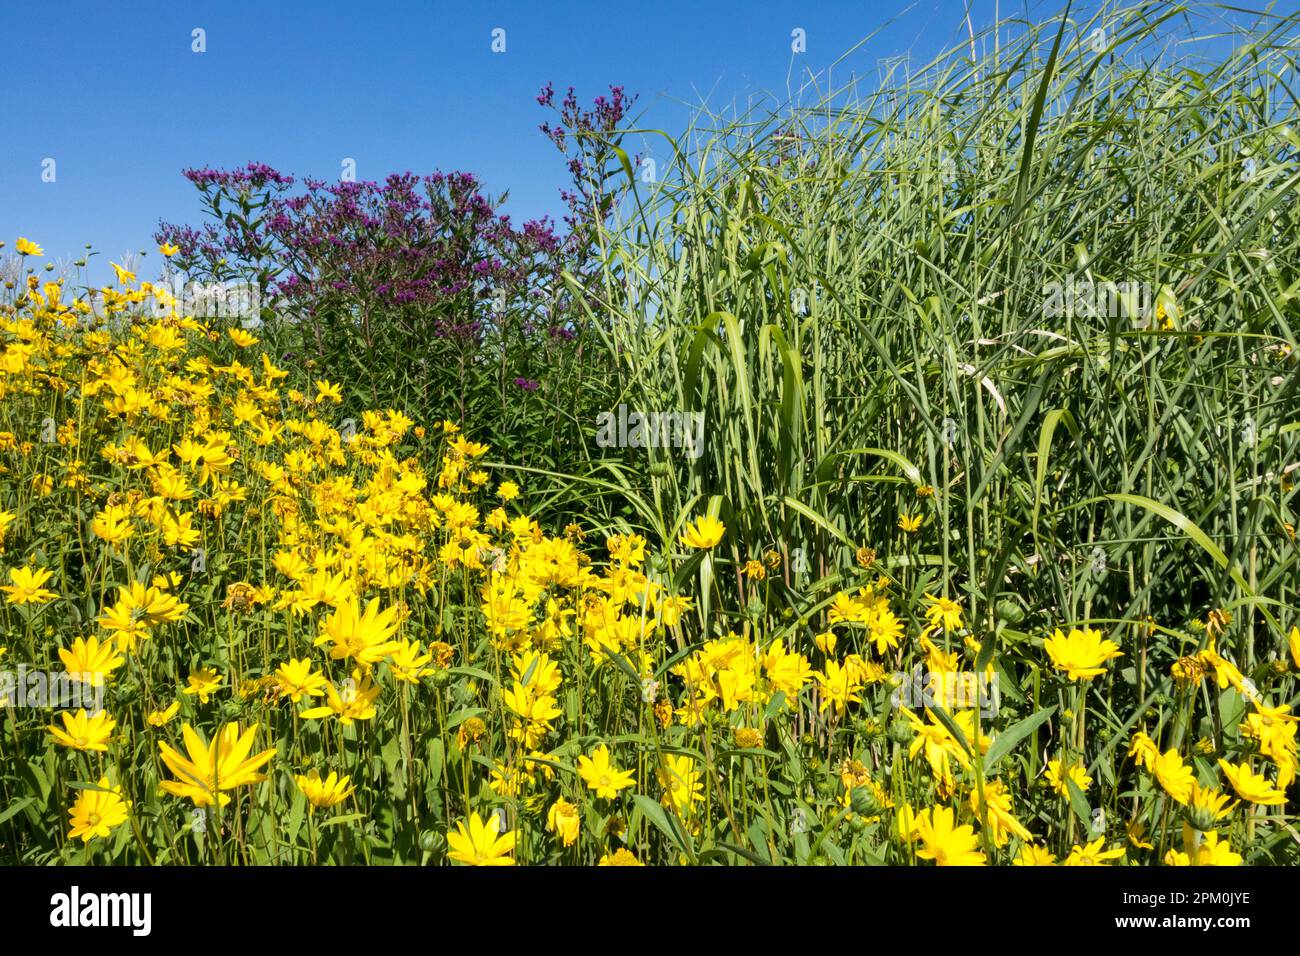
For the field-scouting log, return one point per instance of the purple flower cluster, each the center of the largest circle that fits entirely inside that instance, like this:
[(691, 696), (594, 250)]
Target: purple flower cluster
[(585, 136), (432, 242)]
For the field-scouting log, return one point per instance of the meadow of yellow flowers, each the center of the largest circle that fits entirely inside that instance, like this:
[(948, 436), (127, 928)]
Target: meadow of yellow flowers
[(290, 639)]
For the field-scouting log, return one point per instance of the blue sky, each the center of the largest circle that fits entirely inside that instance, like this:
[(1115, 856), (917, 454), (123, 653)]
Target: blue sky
[(121, 103)]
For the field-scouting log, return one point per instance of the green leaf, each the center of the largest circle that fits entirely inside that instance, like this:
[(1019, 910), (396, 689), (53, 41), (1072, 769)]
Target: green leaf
[(1079, 803), (1006, 741), (666, 824), (945, 718)]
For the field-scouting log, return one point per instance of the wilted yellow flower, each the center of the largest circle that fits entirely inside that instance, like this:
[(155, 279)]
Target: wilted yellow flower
[(563, 820)]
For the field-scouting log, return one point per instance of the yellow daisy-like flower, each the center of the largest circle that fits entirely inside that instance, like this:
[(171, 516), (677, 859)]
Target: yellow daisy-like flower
[(1082, 654), (1031, 855), (703, 533), (296, 679), (328, 391), (1174, 776), (620, 857), (1056, 777), (945, 842), (210, 769), (1093, 854), (161, 718), (83, 732), (602, 776), (479, 845), (682, 784), (89, 661), (203, 682), (96, 812), (1203, 849), (1251, 786), (322, 794), (27, 586)]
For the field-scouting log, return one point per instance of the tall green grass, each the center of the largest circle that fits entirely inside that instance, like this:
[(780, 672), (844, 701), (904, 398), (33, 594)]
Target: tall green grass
[(830, 284)]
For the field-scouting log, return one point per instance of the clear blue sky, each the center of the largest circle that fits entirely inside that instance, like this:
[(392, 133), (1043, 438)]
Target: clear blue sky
[(115, 95)]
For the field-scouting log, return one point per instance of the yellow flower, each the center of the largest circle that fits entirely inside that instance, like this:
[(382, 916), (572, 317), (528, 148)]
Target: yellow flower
[(620, 857), (563, 820), (81, 732), (169, 250), (1144, 751), (681, 782), (89, 661), (27, 586), (356, 701), (113, 525), (703, 533), (1202, 849), (1175, 777), (671, 609), (1031, 855), (910, 523), (160, 718), (97, 811), (328, 390), (212, 768), (508, 491), (1207, 807), (1081, 654), (602, 776), (1056, 776), (944, 842), (1252, 787), (25, 247), (479, 845), (295, 679), (1002, 822), (242, 338), (325, 793), (361, 637), (1136, 831), (839, 686), (1293, 642), (943, 614), (203, 682), (1092, 854), (408, 663)]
